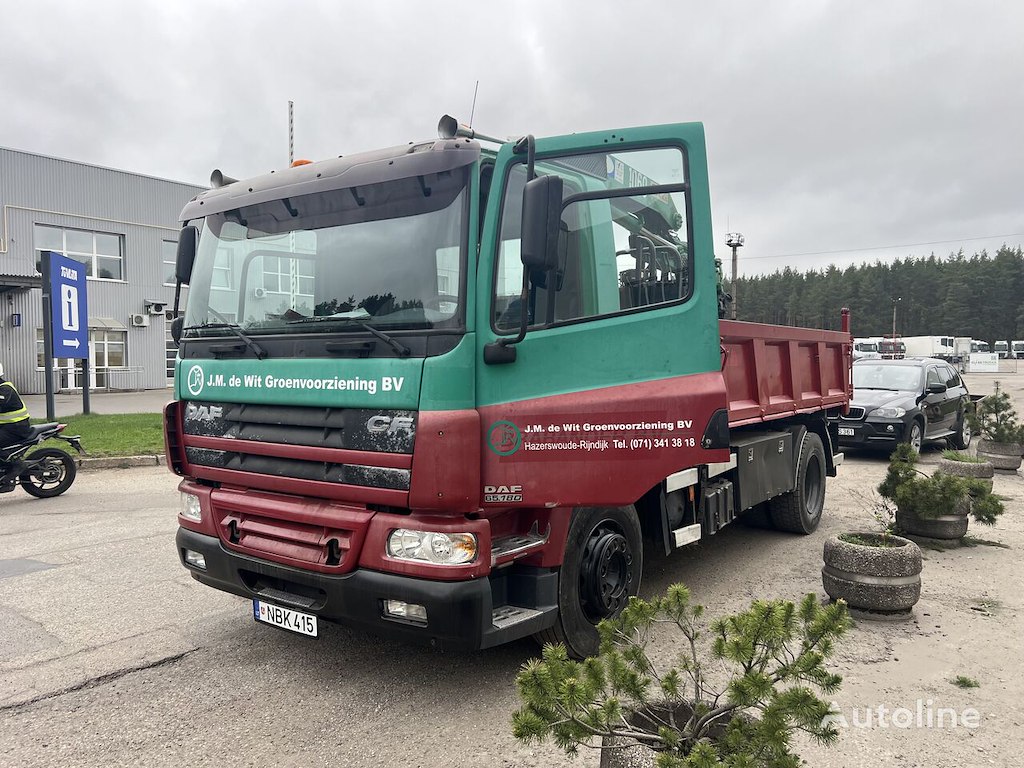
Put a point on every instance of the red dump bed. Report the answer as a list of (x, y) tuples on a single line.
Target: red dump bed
[(774, 371)]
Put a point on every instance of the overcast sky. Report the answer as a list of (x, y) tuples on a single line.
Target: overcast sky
[(831, 126)]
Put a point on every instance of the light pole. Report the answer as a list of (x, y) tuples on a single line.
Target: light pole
[(735, 241), (895, 301)]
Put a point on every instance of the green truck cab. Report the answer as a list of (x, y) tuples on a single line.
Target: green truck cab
[(444, 391)]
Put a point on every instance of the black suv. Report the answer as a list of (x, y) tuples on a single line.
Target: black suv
[(910, 401)]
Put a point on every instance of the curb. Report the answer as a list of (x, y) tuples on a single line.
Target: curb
[(121, 462)]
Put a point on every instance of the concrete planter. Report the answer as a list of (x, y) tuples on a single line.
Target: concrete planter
[(983, 471), (1004, 456), (877, 582), (626, 753), (948, 527)]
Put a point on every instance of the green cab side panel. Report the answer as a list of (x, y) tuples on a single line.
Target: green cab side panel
[(629, 347)]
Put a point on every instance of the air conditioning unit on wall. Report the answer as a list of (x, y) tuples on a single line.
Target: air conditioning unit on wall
[(139, 320), (259, 293)]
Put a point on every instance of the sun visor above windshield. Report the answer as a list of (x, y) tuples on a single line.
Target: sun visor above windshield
[(338, 173)]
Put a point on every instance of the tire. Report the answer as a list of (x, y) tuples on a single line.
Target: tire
[(799, 510), (601, 570), (51, 472), (915, 437), (961, 437)]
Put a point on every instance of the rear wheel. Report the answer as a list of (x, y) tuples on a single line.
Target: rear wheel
[(961, 437), (799, 510), (600, 571), (50, 472)]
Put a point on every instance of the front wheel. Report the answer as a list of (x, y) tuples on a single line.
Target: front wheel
[(50, 472), (600, 571), (915, 435), (961, 437)]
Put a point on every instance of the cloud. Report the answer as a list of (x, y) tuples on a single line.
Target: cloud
[(830, 126)]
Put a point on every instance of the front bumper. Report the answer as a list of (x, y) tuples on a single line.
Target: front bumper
[(860, 434), (461, 615)]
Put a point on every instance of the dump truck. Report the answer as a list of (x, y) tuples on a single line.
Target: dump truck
[(446, 392)]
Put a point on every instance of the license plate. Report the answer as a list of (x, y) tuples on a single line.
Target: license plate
[(285, 618), (847, 432)]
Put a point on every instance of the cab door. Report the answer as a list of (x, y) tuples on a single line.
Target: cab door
[(618, 375)]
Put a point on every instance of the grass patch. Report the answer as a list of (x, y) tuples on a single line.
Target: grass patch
[(118, 434), (960, 456), (866, 539), (962, 681)]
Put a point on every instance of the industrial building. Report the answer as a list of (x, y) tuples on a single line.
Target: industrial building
[(123, 227)]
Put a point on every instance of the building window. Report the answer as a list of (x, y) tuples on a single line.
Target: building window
[(101, 253), (169, 253), (280, 271)]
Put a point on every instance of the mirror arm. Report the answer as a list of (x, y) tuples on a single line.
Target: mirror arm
[(529, 145)]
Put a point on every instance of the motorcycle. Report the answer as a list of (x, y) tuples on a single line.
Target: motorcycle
[(48, 472)]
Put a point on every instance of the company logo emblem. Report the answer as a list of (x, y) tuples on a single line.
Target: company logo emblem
[(504, 438), (194, 382)]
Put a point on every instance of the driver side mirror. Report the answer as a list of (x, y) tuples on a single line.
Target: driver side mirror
[(187, 240), (936, 389), (542, 213), (176, 327)]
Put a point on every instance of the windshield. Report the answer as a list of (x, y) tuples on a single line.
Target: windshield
[(388, 255), (894, 377)]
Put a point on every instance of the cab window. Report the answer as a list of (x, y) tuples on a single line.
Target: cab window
[(623, 244)]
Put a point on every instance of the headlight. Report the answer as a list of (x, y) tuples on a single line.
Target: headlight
[(890, 412), (190, 507), (432, 547)]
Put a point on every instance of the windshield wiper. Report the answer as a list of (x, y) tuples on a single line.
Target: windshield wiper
[(400, 349), (235, 328)]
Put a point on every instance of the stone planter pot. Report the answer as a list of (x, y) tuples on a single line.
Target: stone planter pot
[(1004, 456), (982, 471), (876, 582), (948, 527), (626, 753)]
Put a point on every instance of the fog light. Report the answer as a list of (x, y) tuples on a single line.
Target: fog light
[(396, 609), (432, 546), (190, 507), (890, 428), (195, 559)]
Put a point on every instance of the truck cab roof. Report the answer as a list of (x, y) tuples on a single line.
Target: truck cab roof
[(344, 171)]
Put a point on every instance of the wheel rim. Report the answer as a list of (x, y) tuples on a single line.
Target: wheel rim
[(606, 573), (50, 474), (965, 433), (915, 437)]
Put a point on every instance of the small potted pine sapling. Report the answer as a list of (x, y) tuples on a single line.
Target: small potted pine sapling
[(935, 506), (1002, 435), (878, 574), (738, 690)]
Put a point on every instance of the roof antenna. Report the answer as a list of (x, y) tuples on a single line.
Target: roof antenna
[(472, 109)]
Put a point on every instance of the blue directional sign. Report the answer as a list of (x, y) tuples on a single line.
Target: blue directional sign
[(68, 305)]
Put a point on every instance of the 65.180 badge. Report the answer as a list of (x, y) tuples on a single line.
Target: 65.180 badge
[(503, 494)]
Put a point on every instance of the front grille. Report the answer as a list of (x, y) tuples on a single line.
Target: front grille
[(361, 447), (324, 536), (855, 414), (320, 471)]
